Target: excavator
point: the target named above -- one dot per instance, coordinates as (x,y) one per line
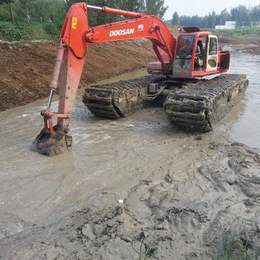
(181,75)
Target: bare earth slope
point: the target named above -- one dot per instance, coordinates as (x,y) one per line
(26,67)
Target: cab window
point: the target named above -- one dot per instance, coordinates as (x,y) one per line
(184,52)
(213,46)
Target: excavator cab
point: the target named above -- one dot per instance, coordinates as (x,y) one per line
(197,55)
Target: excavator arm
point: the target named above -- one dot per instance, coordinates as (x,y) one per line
(75,38)
(149,27)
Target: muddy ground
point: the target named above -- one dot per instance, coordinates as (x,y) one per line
(249,45)
(136,188)
(186,208)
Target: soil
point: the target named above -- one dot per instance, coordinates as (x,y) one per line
(26,67)
(249,45)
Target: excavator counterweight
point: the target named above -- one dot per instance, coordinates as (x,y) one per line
(177,76)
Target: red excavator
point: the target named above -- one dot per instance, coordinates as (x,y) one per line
(178,75)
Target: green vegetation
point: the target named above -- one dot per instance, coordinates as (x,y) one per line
(32,31)
(43,19)
(236,249)
(239,32)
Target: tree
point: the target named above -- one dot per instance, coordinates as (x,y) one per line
(241,15)
(42,10)
(26,4)
(131,5)
(156,7)
(175,19)
(9,2)
(255,15)
(71,2)
(224,16)
(97,18)
(212,20)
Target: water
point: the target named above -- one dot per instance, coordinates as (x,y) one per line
(246,128)
(108,157)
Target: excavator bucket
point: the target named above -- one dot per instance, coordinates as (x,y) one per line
(54,143)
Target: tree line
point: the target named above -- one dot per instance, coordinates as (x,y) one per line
(55,10)
(241,14)
(43,19)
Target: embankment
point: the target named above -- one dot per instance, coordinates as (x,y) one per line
(26,67)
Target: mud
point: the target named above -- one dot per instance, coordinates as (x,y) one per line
(128,186)
(249,45)
(187,215)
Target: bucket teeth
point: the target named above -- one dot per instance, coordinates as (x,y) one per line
(54,143)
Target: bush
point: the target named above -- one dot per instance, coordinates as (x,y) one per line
(52,29)
(13,32)
(31,31)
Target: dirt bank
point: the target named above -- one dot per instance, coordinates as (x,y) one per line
(249,45)
(26,67)
(192,213)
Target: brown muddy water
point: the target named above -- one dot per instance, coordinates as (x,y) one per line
(246,128)
(109,158)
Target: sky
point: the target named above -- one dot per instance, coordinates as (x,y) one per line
(203,7)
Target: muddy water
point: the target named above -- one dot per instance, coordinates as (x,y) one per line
(246,129)
(108,157)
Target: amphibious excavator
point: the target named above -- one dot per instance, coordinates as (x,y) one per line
(184,62)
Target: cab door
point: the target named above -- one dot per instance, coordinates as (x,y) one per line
(212,53)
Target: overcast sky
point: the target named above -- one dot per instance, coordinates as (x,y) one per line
(202,7)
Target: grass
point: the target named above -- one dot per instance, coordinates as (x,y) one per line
(239,32)
(238,251)
(235,249)
(144,252)
(32,31)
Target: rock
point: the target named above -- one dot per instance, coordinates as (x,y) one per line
(87,232)
(98,229)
